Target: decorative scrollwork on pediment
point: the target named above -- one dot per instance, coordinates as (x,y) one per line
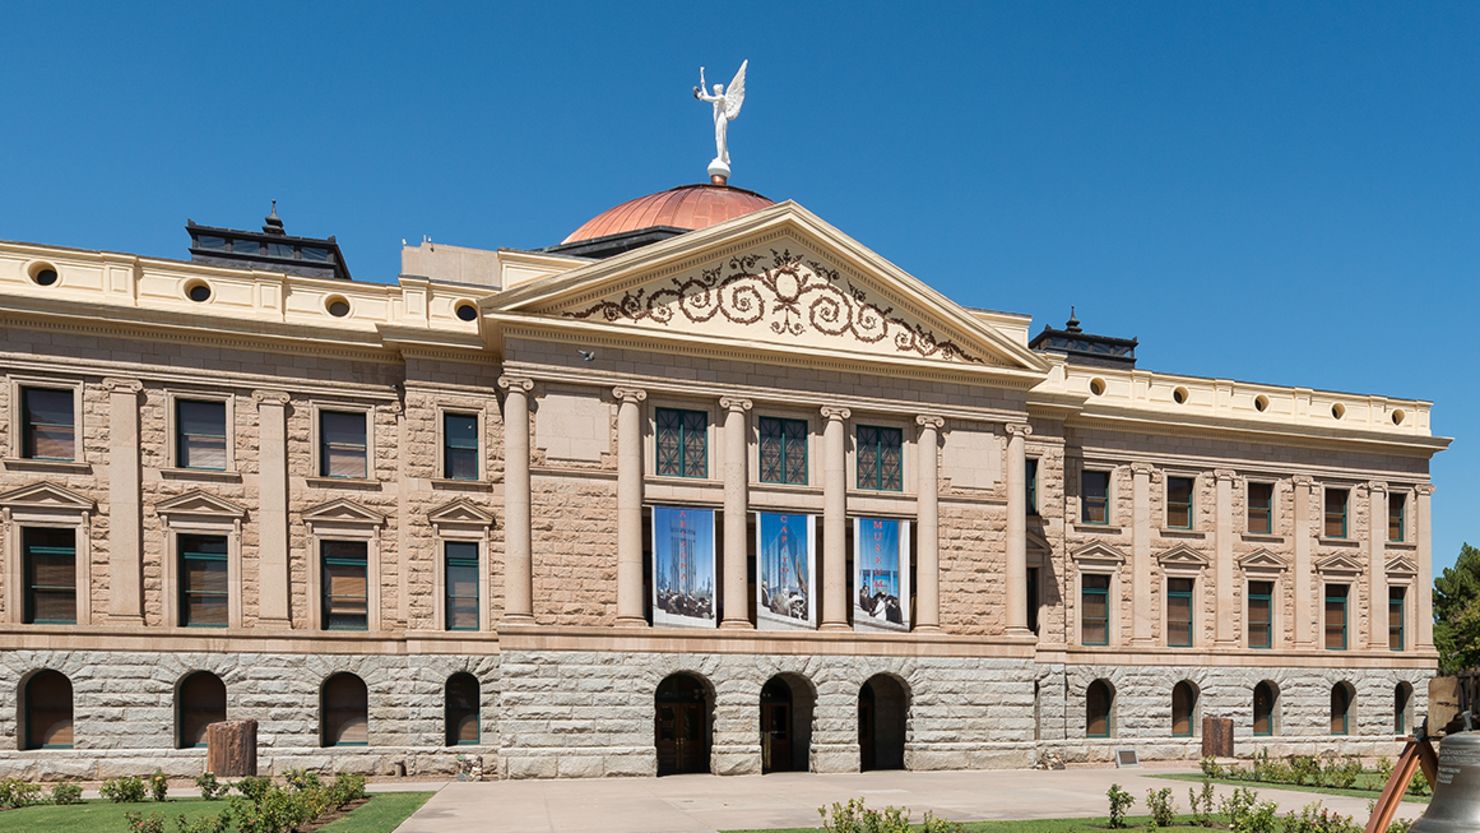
(790,297)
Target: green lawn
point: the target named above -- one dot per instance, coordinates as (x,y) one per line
(1090,825)
(1369,785)
(381,814)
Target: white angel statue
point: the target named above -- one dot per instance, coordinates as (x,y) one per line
(726,103)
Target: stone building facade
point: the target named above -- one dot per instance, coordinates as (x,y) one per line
(409,525)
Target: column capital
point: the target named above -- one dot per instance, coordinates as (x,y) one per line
(1424,489)
(516,382)
(632,395)
(118,384)
(735,403)
(1303,480)
(930,421)
(1142,469)
(833,412)
(1377,486)
(1019,429)
(270,397)
(1225,474)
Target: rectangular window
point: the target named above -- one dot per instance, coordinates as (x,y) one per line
(783,451)
(1033,599)
(346,585)
(48,425)
(459,446)
(51,575)
(1261,508)
(200,434)
(1336,617)
(1179,502)
(1397,596)
(203,585)
(461,602)
(1094,616)
(343,451)
(1336,500)
(1094,497)
(1030,471)
(1179,612)
(1397,517)
(683,443)
(1261,614)
(880,456)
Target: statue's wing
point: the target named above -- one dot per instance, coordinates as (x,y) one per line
(735,93)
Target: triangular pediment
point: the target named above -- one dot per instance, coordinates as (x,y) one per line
(45,496)
(1098,552)
(343,511)
(1339,564)
(199,503)
(1262,560)
(1401,565)
(776,281)
(1182,556)
(460,512)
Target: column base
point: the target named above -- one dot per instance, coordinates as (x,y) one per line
(631,622)
(1144,642)
(1020,630)
(276,623)
(736,625)
(517,619)
(835,626)
(125,618)
(926,629)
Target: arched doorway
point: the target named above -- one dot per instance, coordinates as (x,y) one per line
(1266,709)
(344,711)
(682,725)
(1099,710)
(460,710)
(201,701)
(883,710)
(786,724)
(1342,695)
(1184,710)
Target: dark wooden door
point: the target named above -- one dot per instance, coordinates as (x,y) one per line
(776,739)
(683,743)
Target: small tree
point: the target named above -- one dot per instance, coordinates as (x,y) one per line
(1457,612)
(1120,801)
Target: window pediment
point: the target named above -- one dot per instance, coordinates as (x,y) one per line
(1339,564)
(1262,561)
(1401,565)
(46,496)
(1183,557)
(199,504)
(342,513)
(461,513)
(1098,553)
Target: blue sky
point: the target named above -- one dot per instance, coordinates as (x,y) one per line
(1277,192)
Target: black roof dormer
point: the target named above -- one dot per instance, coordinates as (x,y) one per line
(1079,347)
(272,249)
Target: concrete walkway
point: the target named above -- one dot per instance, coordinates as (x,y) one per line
(706,803)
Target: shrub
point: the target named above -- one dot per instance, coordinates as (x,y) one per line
(346,788)
(211,788)
(159,786)
(1210,767)
(219,823)
(66,792)
(302,779)
(1314,818)
(1385,768)
(126,790)
(1342,773)
(1120,801)
(1400,826)
(1161,806)
(17,793)
(1202,803)
(1247,814)
(140,823)
(253,787)
(854,817)
(932,824)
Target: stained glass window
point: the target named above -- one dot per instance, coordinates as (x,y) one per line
(880,458)
(783,451)
(682,443)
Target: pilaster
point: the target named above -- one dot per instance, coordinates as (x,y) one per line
(1225,634)
(125,523)
(1377,532)
(1305,623)
(518,564)
(1017,528)
(927,517)
(835,519)
(275,582)
(737,506)
(629,506)
(1143,584)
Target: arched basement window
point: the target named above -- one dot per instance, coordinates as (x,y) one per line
(46,703)
(1099,707)
(1184,710)
(461,710)
(1402,707)
(344,705)
(1266,709)
(200,701)
(1342,696)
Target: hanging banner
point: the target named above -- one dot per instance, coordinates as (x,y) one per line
(683,566)
(881,572)
(785,558)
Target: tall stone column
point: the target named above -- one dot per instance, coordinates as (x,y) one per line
(1424,586)
(125,521)
(1143,585)
(1377,533)
(1017,529)
(1227,599)
(629,507)
(1305,621)
(737,507)
(835,520)
(927,517)
(518,559)
(274,604)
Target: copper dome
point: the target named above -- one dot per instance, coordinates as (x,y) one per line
(687,207)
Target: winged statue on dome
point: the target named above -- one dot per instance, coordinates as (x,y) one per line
(726,102)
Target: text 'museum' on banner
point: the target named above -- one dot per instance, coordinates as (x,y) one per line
(683,566)
(881,573)
(786,559)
